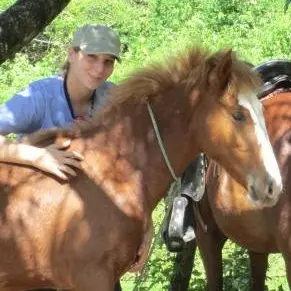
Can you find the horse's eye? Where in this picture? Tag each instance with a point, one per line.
(239, 116)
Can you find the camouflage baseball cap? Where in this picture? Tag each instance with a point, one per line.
(97, 39)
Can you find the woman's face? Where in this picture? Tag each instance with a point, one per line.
(90, 70)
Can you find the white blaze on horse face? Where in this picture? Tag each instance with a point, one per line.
(251, 102)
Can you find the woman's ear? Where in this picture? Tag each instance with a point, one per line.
(71, 54)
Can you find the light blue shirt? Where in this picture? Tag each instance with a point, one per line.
(42, 105)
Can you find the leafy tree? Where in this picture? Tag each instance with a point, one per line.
(287, 4)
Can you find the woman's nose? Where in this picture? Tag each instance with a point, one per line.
(99, 67)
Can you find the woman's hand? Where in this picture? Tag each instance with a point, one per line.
(54, 160)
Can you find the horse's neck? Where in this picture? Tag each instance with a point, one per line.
(128, 161)
(278, 121)
(277, 115)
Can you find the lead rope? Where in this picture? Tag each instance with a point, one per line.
(162, 148)
(176, 185)
(174, 188)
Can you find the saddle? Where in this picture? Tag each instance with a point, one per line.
(276, 74)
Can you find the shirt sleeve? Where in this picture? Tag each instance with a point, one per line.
(23, 113)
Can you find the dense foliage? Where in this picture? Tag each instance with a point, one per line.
(151, 30)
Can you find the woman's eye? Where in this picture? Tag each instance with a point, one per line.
(91, 56)
(239, 116)
(109, 63)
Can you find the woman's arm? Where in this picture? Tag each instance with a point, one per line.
(23, 113)
(52, 159)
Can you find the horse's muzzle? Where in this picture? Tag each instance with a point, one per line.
(265, 191)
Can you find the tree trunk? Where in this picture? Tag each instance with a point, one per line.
(24, 20)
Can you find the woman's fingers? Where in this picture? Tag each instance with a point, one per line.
(74, 155)
(72, 162)
(58, 162)
(64, 144)
(67, 170)
(68, 154)
(60, 174)
(67, 161)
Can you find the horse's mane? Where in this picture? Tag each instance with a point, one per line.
(188, 70)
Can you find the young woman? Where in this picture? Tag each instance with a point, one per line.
(59, 100)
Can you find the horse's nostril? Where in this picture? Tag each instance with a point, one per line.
(270, 189)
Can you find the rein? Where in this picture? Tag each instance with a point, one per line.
(172, 193)
(160, 142)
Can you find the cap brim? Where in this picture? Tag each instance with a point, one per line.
(88, 50)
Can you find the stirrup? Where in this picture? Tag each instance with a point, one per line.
(177, 233)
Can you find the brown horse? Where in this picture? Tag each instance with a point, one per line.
(229, 213)
(88, 232)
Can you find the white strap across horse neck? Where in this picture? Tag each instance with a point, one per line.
(160, 142)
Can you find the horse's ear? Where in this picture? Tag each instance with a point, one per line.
(220, 71)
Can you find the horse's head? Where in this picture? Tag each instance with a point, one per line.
(232, 127)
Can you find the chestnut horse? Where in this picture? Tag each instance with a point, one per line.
(228, 212)
(260, 230)
(88, 232)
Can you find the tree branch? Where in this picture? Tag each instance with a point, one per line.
(24, 20)
(286, 5)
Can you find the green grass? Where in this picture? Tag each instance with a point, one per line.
(235, 268)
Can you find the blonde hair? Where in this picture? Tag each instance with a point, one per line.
(64, 69)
